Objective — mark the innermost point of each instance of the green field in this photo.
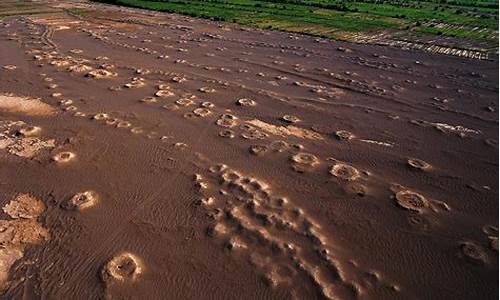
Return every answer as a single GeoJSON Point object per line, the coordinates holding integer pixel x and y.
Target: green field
{"type": "Point", "coordinates": [18, 7]}
{"type": "Point", "coordinates": [477, 20]}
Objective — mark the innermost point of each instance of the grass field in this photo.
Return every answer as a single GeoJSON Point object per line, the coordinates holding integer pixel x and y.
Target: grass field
{"type": "Point", "coordinates": [18, 7]}
{"type": "Point", "coordinates": [337, 19]}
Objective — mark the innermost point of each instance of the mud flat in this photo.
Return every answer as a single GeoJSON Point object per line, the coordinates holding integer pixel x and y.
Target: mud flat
{"type": "Point", "coordinates": [154, 156]}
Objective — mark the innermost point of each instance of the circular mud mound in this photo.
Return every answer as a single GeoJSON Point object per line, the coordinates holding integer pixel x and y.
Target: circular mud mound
{"type": "Point", "coordinates": [227, 120]}
{"type": "Point", "coordinates": [246, 102]}
{"type": "Point", "coordinates": [202, 112]}
{"type": "Point", "coordinates": [207, 104]}
{"type": "Point", "coordinates": [258, 149]}
{"type": "Point", "coordinates": [418, 164]}
{"type": "Point", "coordinates": [100, 116]}
{"type": "Point", "coordinates": [345, 172]}
{"type": "Point", "coordinates": [305, 159]}
{"type": "Point", "coordinates": [184, 102]}
{"type": "Point", "coordinates": [82, 200]}
{"type": "Point", "coordinates": [123, 267]}
{"type": "Point", "coordinates": [290, 119]}
{"type": "Point", "coordinates": [164, 93]}
{"type": "Point", "coordinates": [473, 252]}
{"type": "Point", "coordinates": [411, 200]}
{"type": "Point", "coordinates": [343, 135]}
{"type": "Point", "coordinates": [63, 157]}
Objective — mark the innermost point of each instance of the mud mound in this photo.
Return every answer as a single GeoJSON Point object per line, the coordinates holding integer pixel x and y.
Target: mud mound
{"type": "Point", "coordinates": [202, 112]}
{"type": "Point", "coordinates": [286, 131]}
{"type": "Point", "coordinates": [122, 268]}
{"type": "Point", "coordinates": [184, 102]}
{"type": "Point", "coordinates": [258, 149]}
{"type": "Point", "coordinates": [344, 135]}
{"type": "Point", "coordinates": [82, 201]}
{"type": "Point", "coordinates": [9, 67]}
{"type": "Point", "coordinates": [246, 102]}
{"type": "Point", "coordinates": [64, 157]}
{"type": "Point", "coordinates": [206, 90]}
{"type": "Point", "coordinates": [473, 252]}
{"type": "Point", "coordinates": [135, 83]}
{"type": "Point", "coordinates": [164, 93]}
{"type": "Point", "coordinates": [305, 159]}
{"type": "Point", "coordinates": [418, 164]}
{"type": "Point", "coordinates": [227, 120]}
{"type": "Point", "coordinates": [101, 73]}
{"type": "Point", "coordinates": [411, 201]}
{"type": "Point", "coordinates": [344, 172]}
{"type": "Point", "coordinates": [265, 228]}
{"type": "Point", "coordinates": [290, 119]}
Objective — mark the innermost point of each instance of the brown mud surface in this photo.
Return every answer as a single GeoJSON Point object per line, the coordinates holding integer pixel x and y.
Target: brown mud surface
{"type": "Point", "coordinates": [165, 157]}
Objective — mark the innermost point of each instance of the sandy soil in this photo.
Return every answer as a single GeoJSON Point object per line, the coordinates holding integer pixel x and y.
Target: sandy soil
{"type": "Point", "coordinates": [154, 156]}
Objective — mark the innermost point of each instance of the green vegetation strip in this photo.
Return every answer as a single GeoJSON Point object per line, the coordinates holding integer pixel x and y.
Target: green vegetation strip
{"type": "Point", "coordinates": [337, 19]}
{"type": "Point", "coordinates": [24, 12]}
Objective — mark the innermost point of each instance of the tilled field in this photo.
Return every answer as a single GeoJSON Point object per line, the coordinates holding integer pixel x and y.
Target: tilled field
{"type": "Point", "coordinates": [153, 156]}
